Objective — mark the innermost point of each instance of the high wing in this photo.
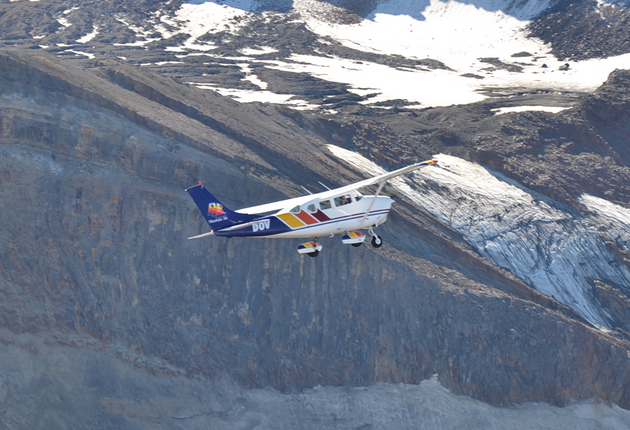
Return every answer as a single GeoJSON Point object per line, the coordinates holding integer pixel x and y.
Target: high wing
{"type": "Point", "coordinates": [380, 179]}
{"type": "Point", "coordinates": [276, 206]}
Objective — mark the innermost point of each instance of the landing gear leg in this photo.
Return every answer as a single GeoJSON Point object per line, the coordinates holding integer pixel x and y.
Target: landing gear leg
{"type": "Point", "coordinates": [377, 242]}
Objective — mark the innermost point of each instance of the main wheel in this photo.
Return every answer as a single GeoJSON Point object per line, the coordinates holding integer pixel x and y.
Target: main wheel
{"type": "Point", "coordinates": [377, 242]}
{"type": "Point", "coordinates": [313, 254]}
{"type": "Point", "coordinates": [356, 245]}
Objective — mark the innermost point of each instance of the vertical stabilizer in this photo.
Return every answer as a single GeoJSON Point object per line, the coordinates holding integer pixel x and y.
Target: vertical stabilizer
{"type": "Point", "coordinates": [215, 213]}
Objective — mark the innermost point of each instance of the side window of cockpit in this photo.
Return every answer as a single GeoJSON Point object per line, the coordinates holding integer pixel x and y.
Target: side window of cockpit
{"type": "Point", "coordinates": [342, 200]}
{"type": "Point", "coordinates": [295, 209]}
{"type": "Point", "coordinates": [324, 204]}
{"type": "Point", "coordinates": [311, 209]}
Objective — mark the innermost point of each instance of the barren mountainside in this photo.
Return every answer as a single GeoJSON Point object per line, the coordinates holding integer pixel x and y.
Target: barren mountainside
{"type": "Point", "coordinates": [504, 278]}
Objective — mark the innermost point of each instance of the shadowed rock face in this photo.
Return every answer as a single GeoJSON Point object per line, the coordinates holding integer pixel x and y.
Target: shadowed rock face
{"type": "Point", "coordinates": [584, 29]}
{"type": "Point", "coordinates": [93, 242]}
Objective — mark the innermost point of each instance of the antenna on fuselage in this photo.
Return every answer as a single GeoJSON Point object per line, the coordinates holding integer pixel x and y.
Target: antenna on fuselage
{"type": "Point", "coordinates": [304, 188]}
{"type": "Point", "coordinates": [324, 186]}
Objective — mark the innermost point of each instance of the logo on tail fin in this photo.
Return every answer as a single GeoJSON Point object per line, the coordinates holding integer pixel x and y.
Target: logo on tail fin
{"type": "Point", "coordinates": [215, 209]}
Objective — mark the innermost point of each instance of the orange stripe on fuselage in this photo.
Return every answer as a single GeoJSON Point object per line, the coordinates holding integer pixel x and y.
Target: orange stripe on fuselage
{"type": "Point", "coordinates": [309, 220]}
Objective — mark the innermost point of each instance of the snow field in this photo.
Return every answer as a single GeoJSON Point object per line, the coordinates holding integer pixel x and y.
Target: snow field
{"type": "Point", "coordinates": [456, 33]}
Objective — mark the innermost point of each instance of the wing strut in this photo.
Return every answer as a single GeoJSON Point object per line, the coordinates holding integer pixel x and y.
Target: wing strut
{"type": "Point", "coordinates": [378, 191]}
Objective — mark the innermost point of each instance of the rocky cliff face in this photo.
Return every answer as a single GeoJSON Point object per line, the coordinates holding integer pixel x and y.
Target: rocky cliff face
{"type": "Point", "coordinates": [584, 29]}
{"type": "Point", "coordinates": [93, 245]}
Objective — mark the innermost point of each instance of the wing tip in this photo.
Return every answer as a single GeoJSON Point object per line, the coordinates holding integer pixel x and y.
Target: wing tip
{"type": "Point", "coordinates": [426, 163]}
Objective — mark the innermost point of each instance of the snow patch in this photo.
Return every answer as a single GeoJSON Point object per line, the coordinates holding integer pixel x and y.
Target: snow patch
{"type": "Point", "coordinates": [192, 46]}
{"type": "Point", "coordinates": [552, 109]}
{"type": "Point", "coordinates": [246, 96]}
{"type": "Point", "coordinates": [606, 209]}
{"type": "Point", "coordinates": [137, 42]}
{"type": "Point", "coordinates": [258, 51]}
{"type": "Point", "coordinates": [389, 83]}
{"type": "Point", "coordinates": [460, 35]}
{"type": "Point", "coordinates": [88, 36]}
{"type": "Point", "coordinates": [200, 17]}
{"type": "Point", "coordinates": [164, 63]}
{"type": "Point", "coordinates": [251, 77]}
{"type": "Point", "coordinates": [61, 18]}
{"type": "Point", "coordinates": [453, 32]}
{"type": "Point", "coordinates": [175, 49]}
{"type": "Point", "coordinates": [610, 220]}
{"type": "Point", "coordinates": [87, 54]}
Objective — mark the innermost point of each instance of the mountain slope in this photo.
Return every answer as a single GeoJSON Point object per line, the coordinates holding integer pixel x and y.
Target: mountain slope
{"type": "Point", "coordinates": [506, 271]}
{"type": "Point", "coordinates": [351, 317]}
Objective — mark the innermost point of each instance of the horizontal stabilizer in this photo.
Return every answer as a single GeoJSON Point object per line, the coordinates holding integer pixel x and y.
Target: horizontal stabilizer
{"type": "Point", "coordinates": [202, 235]}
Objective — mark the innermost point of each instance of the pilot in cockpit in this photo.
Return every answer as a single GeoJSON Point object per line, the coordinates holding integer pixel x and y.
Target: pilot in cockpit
{"type": "Point", "coordinates": [343, 200]}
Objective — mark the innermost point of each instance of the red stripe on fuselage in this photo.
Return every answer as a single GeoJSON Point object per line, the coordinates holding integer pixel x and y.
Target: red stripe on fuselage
{"type": "Point", "coordinates": [306, 218]}
{"type": "Point", "coordinates": [321, 216]}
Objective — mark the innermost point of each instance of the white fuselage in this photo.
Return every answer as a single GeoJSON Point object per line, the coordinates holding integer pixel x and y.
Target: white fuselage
{"type": "Point", "coordinates": [339, 218]}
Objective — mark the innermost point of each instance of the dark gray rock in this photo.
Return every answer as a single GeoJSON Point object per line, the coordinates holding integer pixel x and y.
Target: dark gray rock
{"type": "Point", "coordinates": [94, 226]}
{"type": "Point", "coordinates": [584, 29]}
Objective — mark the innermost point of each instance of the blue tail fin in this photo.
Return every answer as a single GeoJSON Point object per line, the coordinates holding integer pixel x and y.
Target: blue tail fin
{"type": "Point", "coordinates": [217, 215]}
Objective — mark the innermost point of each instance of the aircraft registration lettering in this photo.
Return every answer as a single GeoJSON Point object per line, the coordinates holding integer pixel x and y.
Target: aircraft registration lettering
{"type": "Point", "coordinates": [260, 226]}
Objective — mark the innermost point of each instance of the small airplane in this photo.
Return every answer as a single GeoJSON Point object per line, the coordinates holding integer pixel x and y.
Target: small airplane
{"type": "Point", "coordinates": [342, 210]}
